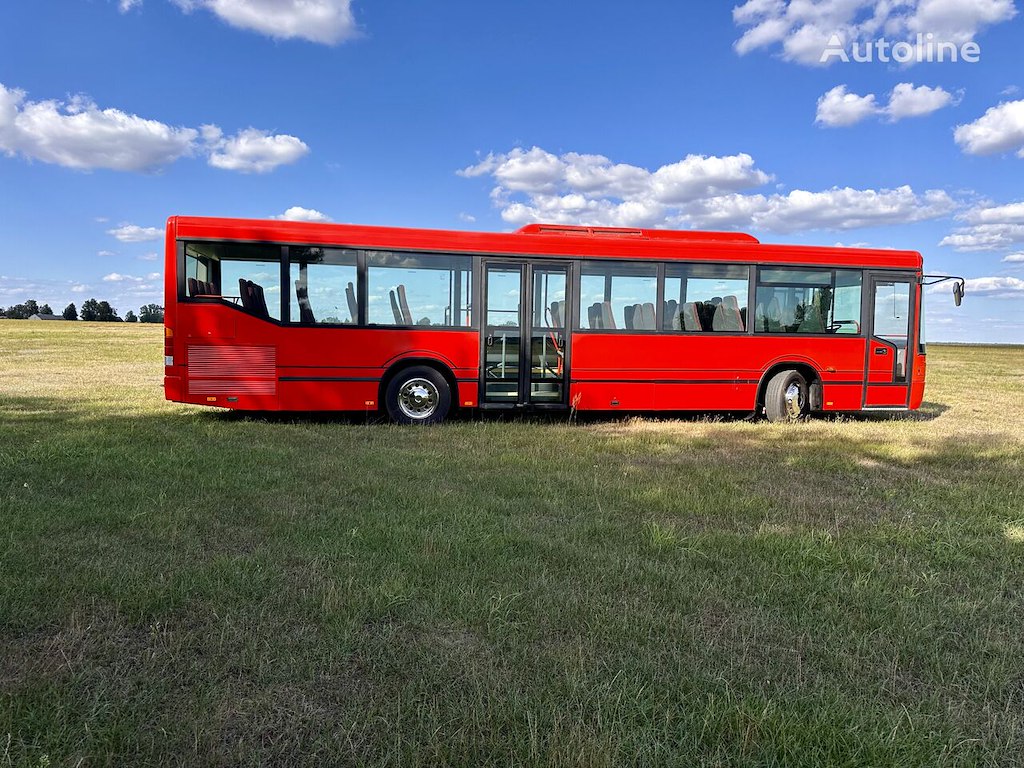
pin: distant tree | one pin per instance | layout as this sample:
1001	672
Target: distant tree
151	313
3	312
129	317
22	311
106	313
90	310
70	312
45	310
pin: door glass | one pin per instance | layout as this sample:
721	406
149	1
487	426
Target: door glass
547	341
503	333
892	319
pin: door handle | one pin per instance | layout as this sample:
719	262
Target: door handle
881	351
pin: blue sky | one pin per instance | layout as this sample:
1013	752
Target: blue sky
115	114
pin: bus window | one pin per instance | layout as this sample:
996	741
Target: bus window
617	296
418	289
256	264
322	286
808	301
846	304
199	261
220	271
706	297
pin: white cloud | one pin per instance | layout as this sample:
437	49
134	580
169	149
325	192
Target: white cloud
839	108
1000	129
985	237
988	227
707	192
148	257
958	20
802	29
105	254
834	209
78	134
319	21
1014	258
298	213
908	100
996	287
538	172
847	208
1012	213
254	151
115	277
133	233
126	5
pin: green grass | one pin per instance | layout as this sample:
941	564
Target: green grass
181	585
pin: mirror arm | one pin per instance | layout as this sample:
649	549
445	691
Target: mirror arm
958	286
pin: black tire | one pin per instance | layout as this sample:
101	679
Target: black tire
418	395
786	397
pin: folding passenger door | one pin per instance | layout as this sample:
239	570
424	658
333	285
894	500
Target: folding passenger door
525	344
890	324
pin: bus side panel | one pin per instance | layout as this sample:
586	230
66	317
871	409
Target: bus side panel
609	396
708	372
316	368
917	385
328	395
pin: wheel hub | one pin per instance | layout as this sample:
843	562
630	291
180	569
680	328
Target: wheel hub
418	399
794	400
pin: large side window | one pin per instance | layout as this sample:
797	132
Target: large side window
199	263
244	274
418	289
846	302
618	296
706	298
808	301
322	285
253	273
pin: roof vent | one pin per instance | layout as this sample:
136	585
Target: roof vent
686	235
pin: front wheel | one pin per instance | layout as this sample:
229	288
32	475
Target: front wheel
418	395
785	399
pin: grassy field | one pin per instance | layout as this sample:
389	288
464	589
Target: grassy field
187	586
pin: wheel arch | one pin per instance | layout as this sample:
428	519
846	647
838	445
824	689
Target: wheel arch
806	369
405	363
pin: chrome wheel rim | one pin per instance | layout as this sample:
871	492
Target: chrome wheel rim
795	400
418	399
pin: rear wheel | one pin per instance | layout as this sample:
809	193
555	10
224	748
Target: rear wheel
418	395
785	399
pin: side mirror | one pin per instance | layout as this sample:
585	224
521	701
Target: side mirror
958	292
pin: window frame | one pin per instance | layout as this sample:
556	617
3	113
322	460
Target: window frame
832	270
287	263
580	265
710	333
363	294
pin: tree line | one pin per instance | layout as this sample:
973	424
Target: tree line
92	310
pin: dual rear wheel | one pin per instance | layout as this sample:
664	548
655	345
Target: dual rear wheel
785	398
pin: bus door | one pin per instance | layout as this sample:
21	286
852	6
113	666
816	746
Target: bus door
525	343
890	349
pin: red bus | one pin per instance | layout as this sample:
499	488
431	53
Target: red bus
294	316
